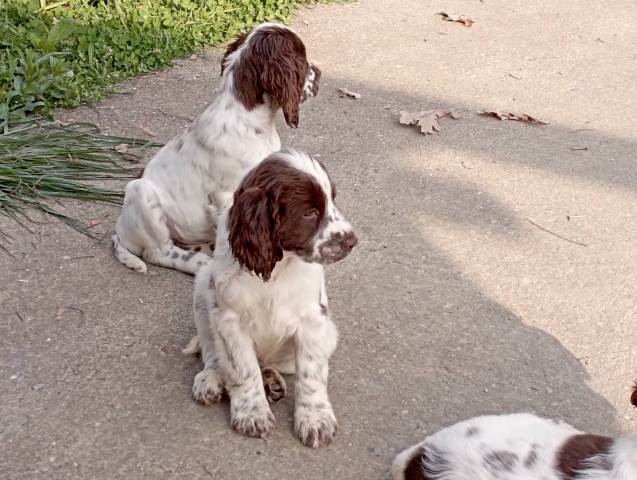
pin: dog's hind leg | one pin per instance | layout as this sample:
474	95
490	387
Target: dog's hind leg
274	384
126	257
142	230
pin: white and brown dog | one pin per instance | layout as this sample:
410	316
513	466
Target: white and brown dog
170	213
260	305
518	447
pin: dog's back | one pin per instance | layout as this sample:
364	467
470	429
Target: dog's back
518	447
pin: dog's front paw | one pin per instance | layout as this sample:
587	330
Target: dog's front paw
315	425
252	420
207	387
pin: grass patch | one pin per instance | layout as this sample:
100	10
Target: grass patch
42	163
65	52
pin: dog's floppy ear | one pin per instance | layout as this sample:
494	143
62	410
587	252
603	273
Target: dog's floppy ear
252	232
284	72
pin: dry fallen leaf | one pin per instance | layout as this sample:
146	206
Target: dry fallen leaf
427	120
147	131
93	223
522	117
464	19
344	92
121	148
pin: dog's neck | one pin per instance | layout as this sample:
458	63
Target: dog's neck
227	117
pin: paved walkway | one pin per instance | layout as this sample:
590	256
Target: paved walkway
454	304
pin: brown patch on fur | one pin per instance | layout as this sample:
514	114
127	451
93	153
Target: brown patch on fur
425	464
414	468
276	208
577	450
633	397
274	63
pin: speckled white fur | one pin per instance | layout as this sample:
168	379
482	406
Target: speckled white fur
245	324
511	447
193	177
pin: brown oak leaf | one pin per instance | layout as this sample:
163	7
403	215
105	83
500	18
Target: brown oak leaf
518	117
463	19
427	120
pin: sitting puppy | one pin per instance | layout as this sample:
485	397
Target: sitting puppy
518	447
260	305
169	214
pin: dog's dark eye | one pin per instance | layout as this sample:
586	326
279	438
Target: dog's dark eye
312	213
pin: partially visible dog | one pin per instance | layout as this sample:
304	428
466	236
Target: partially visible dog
169	214
260	305
518	447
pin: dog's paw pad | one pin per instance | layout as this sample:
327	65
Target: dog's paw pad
274	385
207	387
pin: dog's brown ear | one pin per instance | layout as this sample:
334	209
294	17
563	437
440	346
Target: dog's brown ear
252	232
284	71
633	398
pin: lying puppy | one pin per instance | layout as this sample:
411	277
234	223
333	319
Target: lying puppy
169	214
518	447
260	305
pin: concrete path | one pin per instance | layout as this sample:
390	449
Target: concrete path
454	304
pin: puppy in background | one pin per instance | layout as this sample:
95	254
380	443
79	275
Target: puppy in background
260	305
518	447
170	213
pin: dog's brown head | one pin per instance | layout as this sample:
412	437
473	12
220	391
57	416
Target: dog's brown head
271	60
286	203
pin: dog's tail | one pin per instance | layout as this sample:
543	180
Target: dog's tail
633	397
126	257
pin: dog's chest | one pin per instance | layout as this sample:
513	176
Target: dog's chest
271	311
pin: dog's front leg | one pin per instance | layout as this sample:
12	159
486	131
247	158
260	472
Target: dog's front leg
249	409
207	387
315	341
